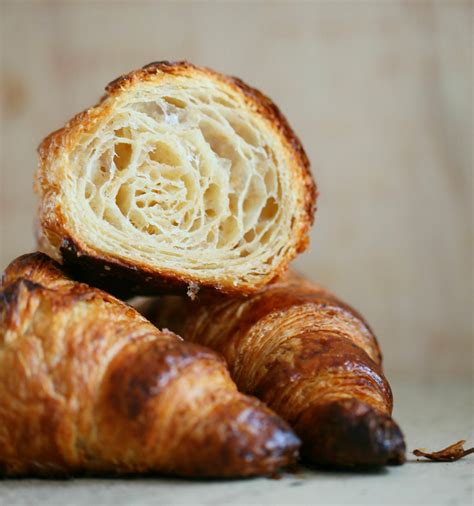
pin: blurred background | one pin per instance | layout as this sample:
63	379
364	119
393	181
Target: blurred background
380	93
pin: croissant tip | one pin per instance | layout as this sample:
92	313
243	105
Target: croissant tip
353	434
284	445
277	450
251	441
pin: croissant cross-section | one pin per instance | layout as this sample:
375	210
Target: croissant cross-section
182	174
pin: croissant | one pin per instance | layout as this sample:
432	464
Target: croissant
179	178
88	385
308	356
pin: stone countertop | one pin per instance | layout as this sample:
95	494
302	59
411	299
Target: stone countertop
432	415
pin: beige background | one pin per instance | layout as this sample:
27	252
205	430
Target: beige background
380	93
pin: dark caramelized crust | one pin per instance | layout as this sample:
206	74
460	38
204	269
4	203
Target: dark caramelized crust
307	355
87	385
349	433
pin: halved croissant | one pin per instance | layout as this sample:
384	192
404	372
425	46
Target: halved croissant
88	385
309	357
179	177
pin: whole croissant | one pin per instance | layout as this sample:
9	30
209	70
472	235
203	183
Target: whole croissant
308	356
88	385
179	177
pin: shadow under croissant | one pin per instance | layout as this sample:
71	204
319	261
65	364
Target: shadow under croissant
150	476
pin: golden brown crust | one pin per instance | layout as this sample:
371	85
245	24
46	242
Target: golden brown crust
107	271
308	356
87	385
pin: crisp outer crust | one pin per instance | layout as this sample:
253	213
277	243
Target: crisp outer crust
87	385
307	355
123	277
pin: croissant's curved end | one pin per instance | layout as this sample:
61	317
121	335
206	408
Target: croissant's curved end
179	177
349	433
251	441
105	392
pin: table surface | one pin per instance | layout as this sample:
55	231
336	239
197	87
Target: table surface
432	414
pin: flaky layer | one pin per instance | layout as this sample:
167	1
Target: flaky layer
180	173
87	385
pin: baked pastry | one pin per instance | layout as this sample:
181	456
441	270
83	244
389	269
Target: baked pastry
179	178
87	385
308	356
